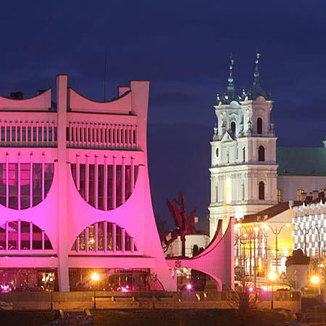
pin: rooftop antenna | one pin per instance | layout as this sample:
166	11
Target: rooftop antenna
105	75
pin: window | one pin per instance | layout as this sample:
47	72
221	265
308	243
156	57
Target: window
101	199
244	154
31	237
261	191
261	153
104	235
228	190
279	195
233	128
299	194
259	126
216	152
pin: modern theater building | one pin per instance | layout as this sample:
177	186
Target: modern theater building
74	192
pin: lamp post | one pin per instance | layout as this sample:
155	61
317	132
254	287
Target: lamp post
276	231
315	280
95	277
272	276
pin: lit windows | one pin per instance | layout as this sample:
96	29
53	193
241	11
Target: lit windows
228	190
29	189
104	236
22	235
279	195
102	190
299	194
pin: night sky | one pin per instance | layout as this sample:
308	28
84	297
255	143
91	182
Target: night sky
183	48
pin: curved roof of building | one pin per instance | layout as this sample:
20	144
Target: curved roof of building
310	161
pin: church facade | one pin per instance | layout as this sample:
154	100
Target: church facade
248	172
243	156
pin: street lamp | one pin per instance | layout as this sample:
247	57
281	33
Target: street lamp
95	277
272	276
315	280
276	231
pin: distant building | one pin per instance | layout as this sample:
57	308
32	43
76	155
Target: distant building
309	231
264	240
194	242
248	173
301	171
243	156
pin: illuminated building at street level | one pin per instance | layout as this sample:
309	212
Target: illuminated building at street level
74	191
263	241
309	231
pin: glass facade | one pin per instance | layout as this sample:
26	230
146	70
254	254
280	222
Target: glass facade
21	235
102	189
104	236
24	185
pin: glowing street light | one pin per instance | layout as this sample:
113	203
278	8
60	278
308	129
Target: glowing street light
315	280
272	276
95	277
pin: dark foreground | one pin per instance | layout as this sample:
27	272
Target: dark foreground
153	318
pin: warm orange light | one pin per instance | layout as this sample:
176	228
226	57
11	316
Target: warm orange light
95	277
272	276
314	279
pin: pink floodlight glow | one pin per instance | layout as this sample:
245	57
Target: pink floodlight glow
189	286
251	289
264	288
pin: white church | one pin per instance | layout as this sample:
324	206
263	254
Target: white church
248	172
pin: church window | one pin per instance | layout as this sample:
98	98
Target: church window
279	195
243	192
259	126
244	154
261	153
228	190
233	128
261	189
216	152
299	194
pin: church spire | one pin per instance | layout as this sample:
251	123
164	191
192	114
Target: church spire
257	90
230	94
256	73
230	87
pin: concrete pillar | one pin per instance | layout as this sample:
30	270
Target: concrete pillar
62	173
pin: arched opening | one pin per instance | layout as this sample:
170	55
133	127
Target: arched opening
21	235
259	126
244	154
233	128
216	152
261	153
102	237
261	190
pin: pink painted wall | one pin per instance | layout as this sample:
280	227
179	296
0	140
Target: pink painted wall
63	214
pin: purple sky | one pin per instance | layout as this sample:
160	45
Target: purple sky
183	48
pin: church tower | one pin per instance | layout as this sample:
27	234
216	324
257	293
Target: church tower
243	153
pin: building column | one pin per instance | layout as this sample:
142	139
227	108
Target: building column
114	184
62	175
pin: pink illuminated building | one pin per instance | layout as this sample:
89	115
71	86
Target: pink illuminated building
75	195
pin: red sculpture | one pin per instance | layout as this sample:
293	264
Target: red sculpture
184	225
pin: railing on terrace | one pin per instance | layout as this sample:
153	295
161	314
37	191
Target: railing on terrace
28	134
102	135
